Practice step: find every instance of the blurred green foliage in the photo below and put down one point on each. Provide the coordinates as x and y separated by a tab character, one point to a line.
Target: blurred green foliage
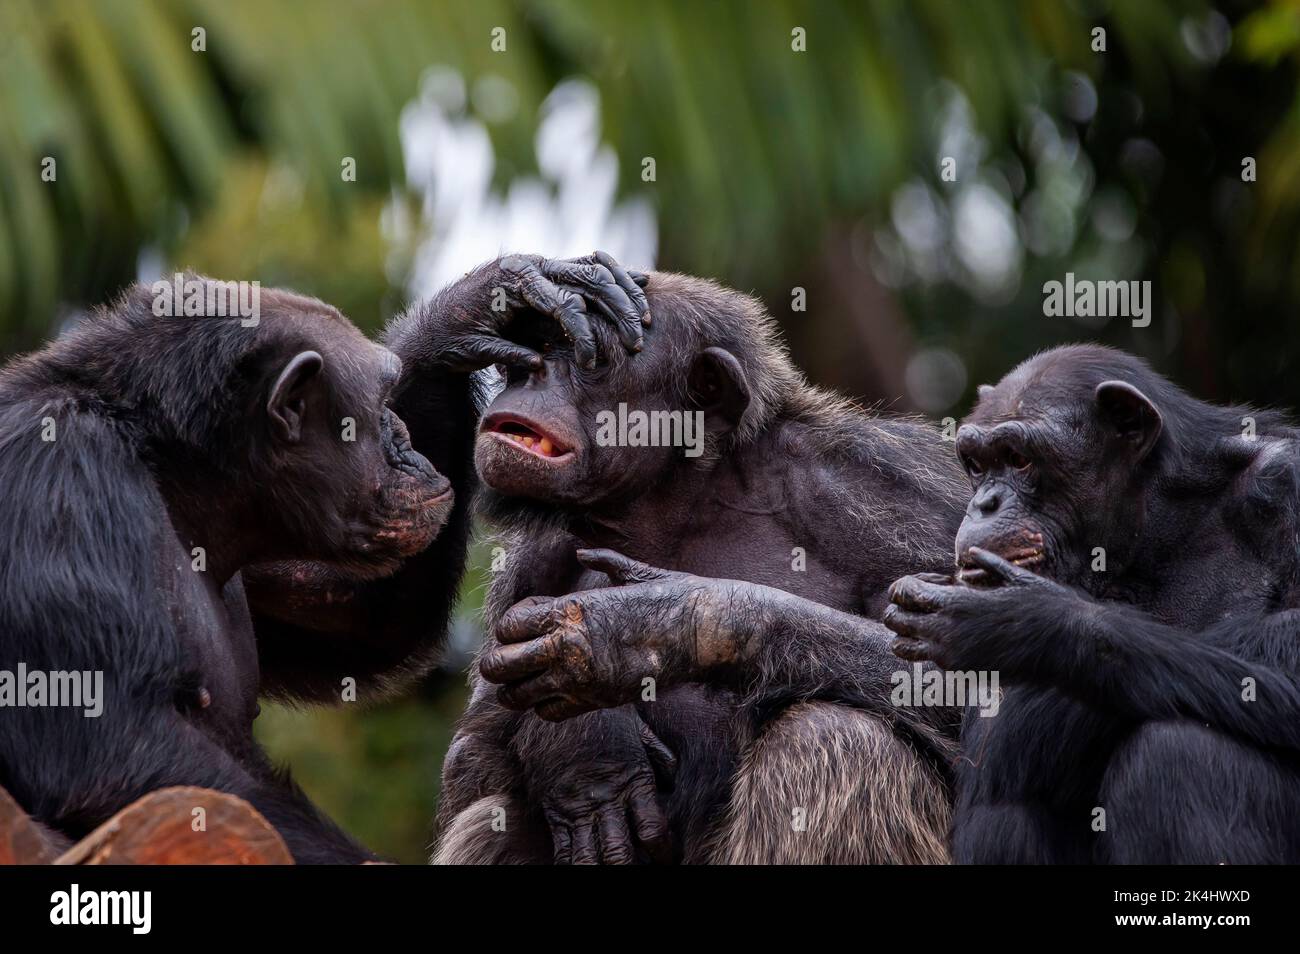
774	170
376	771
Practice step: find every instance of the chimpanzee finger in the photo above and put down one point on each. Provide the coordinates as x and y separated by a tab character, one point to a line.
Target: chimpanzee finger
615	839
938	579
906	623
531	692
662	759
526	620
618	568
599	285
511	662
534	601
482	350
651	827
563	845
562	840
913	593
564	306
559	709
584	843
913	650
1001	569
631	282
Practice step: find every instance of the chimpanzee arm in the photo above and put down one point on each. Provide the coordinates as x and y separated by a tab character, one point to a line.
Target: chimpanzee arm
1122	660
596	648
1113	656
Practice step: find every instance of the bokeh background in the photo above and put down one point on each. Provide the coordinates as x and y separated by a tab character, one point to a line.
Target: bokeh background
684	135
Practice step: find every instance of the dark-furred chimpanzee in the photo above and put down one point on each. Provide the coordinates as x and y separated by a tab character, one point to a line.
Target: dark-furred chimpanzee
1129	564
790	488
147	459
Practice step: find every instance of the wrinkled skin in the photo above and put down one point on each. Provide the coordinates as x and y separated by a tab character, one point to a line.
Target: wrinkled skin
593	650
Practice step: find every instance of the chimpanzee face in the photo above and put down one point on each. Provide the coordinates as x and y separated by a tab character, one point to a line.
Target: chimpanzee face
373	499
1055	471
568	436
542	437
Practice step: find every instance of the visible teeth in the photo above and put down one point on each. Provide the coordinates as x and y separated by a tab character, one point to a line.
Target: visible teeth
545	446
528	442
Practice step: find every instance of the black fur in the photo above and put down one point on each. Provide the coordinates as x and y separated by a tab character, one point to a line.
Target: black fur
163	441
1128	684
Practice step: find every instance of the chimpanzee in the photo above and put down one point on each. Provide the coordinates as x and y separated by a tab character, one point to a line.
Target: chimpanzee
1128	562
147	459
780	485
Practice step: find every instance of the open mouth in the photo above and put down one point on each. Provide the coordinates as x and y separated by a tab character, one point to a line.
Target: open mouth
1029	554
526	436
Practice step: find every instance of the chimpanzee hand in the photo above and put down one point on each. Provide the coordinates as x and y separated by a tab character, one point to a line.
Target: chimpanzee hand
589	650
965	627
471	315
603	802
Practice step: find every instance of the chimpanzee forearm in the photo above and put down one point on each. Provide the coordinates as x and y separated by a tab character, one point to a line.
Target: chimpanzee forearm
1122	660
765	641
597	648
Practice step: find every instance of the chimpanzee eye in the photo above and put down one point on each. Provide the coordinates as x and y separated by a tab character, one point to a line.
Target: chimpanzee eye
1018	461
972	466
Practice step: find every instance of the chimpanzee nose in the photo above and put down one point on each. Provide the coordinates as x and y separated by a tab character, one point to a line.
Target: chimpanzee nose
987	501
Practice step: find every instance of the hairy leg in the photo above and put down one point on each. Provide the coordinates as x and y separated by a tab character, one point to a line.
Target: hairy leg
828	784
1179	793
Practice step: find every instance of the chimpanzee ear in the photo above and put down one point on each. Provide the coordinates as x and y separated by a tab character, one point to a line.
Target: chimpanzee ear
718	387
1131	413
288	401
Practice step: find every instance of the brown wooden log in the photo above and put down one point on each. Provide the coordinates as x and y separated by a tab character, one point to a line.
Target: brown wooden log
24	841
158	829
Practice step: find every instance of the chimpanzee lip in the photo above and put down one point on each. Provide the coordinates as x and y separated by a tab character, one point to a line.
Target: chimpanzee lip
502	425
